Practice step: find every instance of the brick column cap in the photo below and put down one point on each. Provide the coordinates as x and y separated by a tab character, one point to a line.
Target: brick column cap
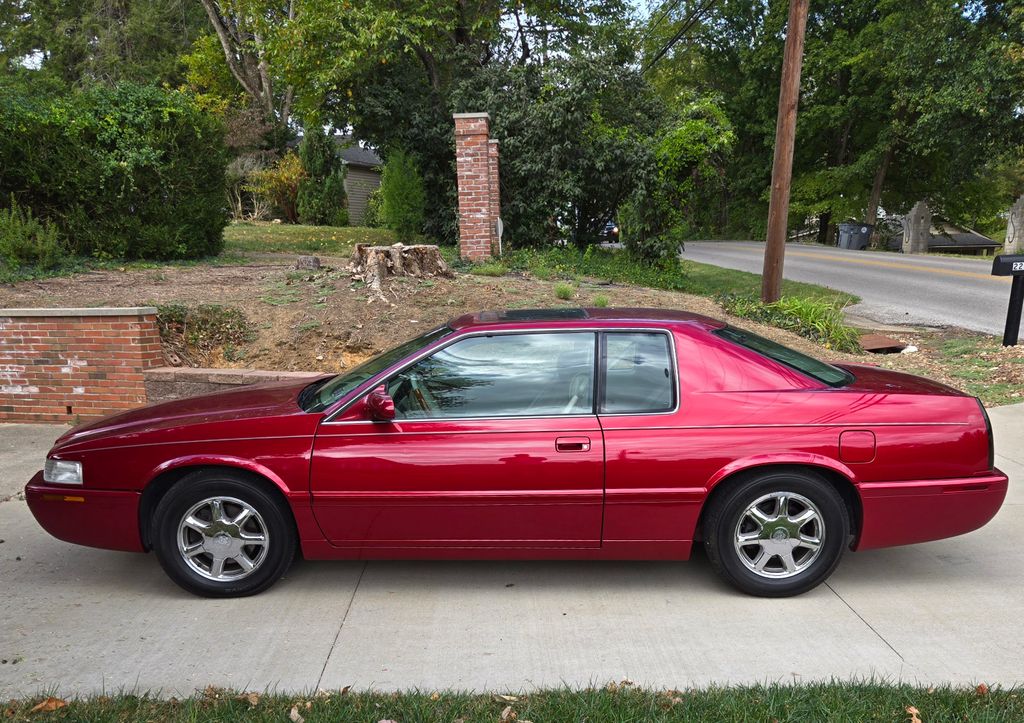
471	115
82	311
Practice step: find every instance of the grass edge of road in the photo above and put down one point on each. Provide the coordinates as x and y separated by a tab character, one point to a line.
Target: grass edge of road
859	700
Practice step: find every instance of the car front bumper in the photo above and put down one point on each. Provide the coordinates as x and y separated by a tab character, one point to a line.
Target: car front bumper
98	518
903	513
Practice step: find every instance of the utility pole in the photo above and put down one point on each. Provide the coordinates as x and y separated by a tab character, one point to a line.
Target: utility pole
785	138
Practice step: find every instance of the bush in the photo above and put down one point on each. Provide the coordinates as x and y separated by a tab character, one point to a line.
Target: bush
609	265
815	320
123	172
278	185
372	216
403	197
321	194
25	241
564	291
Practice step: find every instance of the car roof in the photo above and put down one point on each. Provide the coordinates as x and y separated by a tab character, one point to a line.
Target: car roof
515	316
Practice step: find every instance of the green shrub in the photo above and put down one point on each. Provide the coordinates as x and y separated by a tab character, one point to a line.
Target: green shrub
493	268
194	332
403	197
606	264
124	172
815	320
372	216
600	301
278	185
321	194
564	291
25	241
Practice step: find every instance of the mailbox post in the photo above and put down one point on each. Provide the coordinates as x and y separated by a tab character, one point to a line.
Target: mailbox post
1005	265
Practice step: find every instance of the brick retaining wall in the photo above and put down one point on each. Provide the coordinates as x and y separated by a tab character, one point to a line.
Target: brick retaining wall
62	365
166	383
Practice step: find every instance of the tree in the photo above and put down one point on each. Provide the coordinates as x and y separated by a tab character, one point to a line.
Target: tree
403	200
321	194
246	31
100	41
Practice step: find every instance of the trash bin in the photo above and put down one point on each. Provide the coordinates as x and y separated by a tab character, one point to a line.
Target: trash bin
854	236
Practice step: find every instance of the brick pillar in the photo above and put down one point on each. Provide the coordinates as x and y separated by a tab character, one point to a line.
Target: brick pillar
472	163
59	365
494	191
917	229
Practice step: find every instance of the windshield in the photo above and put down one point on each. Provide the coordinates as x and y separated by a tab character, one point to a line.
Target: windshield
833	376
320	395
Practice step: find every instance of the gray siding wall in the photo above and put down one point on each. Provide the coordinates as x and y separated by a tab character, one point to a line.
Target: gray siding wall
360	182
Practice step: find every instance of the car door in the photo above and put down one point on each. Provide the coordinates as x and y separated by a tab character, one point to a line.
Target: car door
495	443
650	503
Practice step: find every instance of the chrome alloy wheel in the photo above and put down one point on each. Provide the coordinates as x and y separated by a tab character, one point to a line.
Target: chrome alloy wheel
223	539
779	535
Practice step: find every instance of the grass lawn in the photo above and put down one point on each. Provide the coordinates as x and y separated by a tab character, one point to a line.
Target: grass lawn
618	702
708	280
287	238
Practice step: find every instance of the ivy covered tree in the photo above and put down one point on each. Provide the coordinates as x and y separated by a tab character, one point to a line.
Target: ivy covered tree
402	197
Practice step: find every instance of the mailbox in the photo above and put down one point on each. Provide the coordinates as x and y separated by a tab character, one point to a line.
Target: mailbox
1008	265
1011	265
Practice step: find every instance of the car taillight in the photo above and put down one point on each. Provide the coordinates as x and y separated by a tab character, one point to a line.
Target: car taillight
991	438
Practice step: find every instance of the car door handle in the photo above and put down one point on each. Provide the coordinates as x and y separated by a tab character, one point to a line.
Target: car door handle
572	444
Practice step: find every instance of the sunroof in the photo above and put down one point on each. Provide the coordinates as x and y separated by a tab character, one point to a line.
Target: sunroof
542	314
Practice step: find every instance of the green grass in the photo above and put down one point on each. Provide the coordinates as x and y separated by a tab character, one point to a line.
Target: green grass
564	291
293	238
492	268
708	280
620	702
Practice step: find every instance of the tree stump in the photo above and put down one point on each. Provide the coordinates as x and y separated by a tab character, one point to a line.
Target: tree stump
376	263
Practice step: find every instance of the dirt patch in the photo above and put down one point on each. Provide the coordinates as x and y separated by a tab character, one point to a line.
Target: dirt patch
326	320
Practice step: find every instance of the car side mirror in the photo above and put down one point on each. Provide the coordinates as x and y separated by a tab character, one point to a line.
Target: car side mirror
380	406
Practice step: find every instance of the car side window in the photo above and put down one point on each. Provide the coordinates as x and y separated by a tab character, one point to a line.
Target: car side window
510	375
637	372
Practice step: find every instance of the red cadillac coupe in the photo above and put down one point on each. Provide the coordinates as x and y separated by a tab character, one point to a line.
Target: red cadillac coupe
554	434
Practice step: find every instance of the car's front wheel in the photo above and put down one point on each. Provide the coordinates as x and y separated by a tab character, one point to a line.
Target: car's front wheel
776	533
219	534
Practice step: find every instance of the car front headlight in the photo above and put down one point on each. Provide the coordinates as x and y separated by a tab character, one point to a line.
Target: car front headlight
62	472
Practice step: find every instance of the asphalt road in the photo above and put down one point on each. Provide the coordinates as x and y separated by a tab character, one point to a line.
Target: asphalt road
80	621
894	288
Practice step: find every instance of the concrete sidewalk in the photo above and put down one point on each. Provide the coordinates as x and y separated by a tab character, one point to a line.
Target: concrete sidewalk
83	621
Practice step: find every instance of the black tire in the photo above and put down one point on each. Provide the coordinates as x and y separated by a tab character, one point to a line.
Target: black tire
731	514
205	491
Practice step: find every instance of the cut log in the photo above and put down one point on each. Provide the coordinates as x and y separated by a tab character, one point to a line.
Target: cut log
376	263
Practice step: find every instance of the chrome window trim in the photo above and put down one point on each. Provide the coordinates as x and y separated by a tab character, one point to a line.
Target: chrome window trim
381	378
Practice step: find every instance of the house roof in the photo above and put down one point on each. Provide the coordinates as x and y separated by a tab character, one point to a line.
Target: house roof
352	153
355	155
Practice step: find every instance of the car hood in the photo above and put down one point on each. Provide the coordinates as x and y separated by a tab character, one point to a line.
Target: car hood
885	381
249	402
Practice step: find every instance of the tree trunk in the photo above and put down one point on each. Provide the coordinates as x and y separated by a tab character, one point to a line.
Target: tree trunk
824	221
871	215
376	263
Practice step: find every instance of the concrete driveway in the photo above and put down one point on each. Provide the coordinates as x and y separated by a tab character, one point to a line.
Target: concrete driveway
82	621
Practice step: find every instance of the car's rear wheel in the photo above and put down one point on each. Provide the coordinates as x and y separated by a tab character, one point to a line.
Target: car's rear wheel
218	533
776	533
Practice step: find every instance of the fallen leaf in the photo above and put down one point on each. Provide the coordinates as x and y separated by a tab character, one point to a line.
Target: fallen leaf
507	698
914	717
435	696
294	715
982	689
386	720
253	699
344	691
49	705
508	714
